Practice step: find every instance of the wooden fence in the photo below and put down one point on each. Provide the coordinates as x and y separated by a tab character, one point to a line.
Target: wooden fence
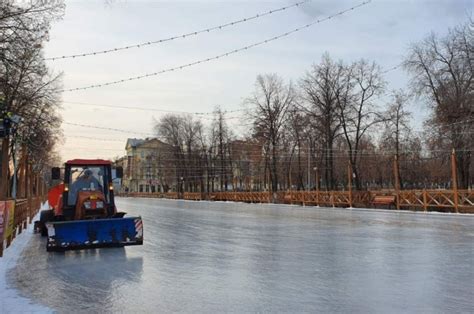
24	211
31	192
426	200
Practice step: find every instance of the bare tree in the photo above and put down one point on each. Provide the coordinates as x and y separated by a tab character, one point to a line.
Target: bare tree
220	134
442	72
170	128
318	93
397	131
185	137
361	82
193	130
297	142
27	88
270	104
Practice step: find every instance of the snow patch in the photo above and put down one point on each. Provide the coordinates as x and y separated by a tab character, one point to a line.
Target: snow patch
10	300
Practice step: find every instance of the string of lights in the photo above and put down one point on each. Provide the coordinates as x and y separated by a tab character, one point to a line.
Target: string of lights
226	54
392	68
182	36
151	109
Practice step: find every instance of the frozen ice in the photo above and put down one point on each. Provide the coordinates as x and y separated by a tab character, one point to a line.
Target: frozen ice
234	257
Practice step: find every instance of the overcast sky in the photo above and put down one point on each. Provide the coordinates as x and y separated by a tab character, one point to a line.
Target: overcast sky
380	31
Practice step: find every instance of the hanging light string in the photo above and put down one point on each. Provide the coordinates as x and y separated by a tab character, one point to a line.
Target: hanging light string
182	36
392	68
134	78
152	109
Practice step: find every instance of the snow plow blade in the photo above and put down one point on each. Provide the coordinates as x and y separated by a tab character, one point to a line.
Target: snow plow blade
98	233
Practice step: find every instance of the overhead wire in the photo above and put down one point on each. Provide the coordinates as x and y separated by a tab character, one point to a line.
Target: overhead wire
96	138
151	109
162	137
107	128
333	152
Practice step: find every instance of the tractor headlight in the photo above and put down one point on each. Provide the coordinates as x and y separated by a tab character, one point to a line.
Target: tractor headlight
100	204
87	205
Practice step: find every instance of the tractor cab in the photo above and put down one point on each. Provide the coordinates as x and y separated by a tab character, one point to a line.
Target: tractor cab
88	190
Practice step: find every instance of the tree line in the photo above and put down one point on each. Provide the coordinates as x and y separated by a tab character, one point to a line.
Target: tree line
29	91
336	120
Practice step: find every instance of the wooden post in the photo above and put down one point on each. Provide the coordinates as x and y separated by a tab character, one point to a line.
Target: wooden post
291	192
317	179
317	187
397	183
425	200
268	187
349	182
233	186
455	181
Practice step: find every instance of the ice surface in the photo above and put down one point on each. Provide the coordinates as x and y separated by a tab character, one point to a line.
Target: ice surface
233	257
10	300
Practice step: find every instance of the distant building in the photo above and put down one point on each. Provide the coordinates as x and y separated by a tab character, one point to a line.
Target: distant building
147	166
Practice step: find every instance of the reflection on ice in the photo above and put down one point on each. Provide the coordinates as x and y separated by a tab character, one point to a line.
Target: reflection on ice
75	279
226	257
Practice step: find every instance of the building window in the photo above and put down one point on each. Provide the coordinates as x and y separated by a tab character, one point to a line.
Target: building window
152	189
147	188
141	187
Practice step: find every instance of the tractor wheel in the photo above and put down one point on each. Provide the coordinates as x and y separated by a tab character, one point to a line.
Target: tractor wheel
45	216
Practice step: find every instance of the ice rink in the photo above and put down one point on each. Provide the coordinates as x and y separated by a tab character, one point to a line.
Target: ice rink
229	257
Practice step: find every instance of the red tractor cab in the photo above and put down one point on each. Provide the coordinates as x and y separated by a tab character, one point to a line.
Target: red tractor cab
83	206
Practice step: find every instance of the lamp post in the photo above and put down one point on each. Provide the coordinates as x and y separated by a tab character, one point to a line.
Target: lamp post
316	178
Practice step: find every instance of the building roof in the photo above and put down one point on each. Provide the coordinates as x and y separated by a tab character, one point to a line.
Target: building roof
133	142
137	142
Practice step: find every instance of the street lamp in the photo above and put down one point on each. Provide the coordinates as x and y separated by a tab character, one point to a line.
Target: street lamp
316	178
